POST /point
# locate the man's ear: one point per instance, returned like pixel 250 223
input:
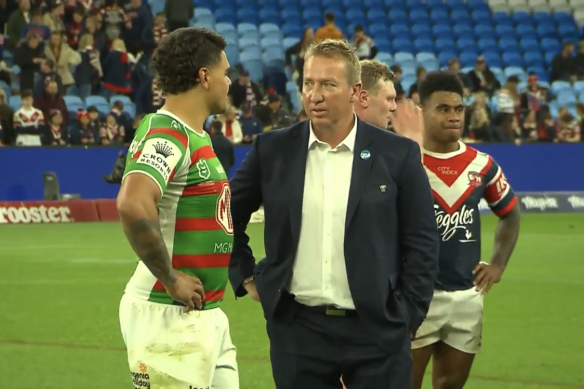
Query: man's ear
pixel 363 98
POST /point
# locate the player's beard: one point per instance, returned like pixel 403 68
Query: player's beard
pixel 219 107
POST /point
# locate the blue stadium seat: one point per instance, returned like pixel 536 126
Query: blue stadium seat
pixel 246 43
pixel 96 100
pixel 223 28
pixel 512 60
pixel 269 15
pixel 463 31
pixel 232 53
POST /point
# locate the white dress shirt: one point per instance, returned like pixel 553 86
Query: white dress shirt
pixel 319 273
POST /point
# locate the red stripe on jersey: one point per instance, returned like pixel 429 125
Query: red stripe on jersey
pixel 204 188
pixel 197 224
pixel 200 261
pixel 214 295
pixel 505 211
pixel 136 155
pixel 205 152
pixel 182 138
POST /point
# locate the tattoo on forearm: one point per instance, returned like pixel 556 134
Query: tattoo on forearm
pixel 146 239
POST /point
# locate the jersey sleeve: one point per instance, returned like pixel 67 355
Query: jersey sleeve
pixel 498 193
pixel 158 154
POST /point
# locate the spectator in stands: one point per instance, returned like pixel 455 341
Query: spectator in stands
pixel 6 117
pixel 251 126
pixel 75 29
pixel 140 21
pixel 178 13
pixel 154 33
pixel 99 38
pixel 48 73
pixel 111 133
pixel 507 108
pixel 454 66
pixel 546 129
pixel 53 18
pixel 299 47
pixel 84 130
pixel 117 70
pixel 114 20
pixel 245 90
pixel 230 125
pixel 29 57
pixel 363 44
pixel 398 73
pixel 222 146
pixel 57 134
pixel 482 78
pixel 89 72
pixel 479 127
pixel 329 30
pixel 94 119
pixel 579 61
pixel 569 129
pixel 420 75
pixel 29 122
pixel 88 5
pixel 50 100
pixel 479 104
pixel 64 58
pixel 36 26
pixel 534 97
pixel 579 112
pixel 16 22
pixel 529 128
pixel 271 113
pixel 563 67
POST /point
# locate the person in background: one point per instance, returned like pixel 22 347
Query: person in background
pixel 222 146
pixel 230 125
pixel 563 67
pixel 271 113
pixel 154 33
pixel 420 75
pixel 51 100
pixel 117 70
pixel 47 73
pixel 507 108
pixel 529 128
pixel 16 23
pixel 36 26
pixel 546 129
pixel 89 72
pixel 299 47
pixel 111 133
pixel 579 61
pixel 534 97
pixel 64 58
pixel 114 20
pixel 569 129
pixel 178 13
pixel 363 44
pixel 141 20
pixel 84 131
pixel 479 103
pixel 6 119
pixel 29 57
pixel 329 30
pixel 251 126
pixel 57 134
pixel 53 17
pixel 454 66
pixel 245 90
pixel 29 122
pixel 99 38
pixel 479 129
pixel 75 29
pixel 580 113
pixel 482 78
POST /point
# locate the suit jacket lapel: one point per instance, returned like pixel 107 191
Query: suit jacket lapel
pixel 297 154
pixel 363 156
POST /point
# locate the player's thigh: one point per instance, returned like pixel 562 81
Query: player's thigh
pixel 166 347
pixel 463 331
pixel 430 330
pixel 226 374
pixel 451 367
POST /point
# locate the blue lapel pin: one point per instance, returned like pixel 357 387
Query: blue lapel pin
pixel 365 155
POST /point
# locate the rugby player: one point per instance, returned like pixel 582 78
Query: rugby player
pixel 174 204
pixel 460 177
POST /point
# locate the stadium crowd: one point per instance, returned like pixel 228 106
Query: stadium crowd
pixel 81 69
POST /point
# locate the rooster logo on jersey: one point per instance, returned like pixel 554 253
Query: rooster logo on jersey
pixel 475 179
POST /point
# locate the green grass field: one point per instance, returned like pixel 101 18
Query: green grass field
pixel 61 286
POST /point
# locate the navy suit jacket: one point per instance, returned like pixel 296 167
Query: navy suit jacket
pixel 391 239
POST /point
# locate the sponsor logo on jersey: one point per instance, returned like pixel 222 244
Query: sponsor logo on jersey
pixel 161 155
pixel 475 179
pixel 449 224
pixel 223 210
pixel 35 214
pixel 445 170
pixel 141 379
pixel 576 202
pixel 541 203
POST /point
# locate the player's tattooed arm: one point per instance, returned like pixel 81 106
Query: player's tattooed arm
pixel 146 239
pixel 506 236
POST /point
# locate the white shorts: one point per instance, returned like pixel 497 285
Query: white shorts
pixel 454 318
pixel 170 349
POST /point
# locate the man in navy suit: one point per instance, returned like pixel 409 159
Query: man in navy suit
pixel 350 237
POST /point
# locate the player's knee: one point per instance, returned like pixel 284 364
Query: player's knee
pixel 449 382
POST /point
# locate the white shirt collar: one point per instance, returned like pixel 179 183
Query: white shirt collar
pixel 348 142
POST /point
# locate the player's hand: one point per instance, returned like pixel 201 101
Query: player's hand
pixel 485 276
pixel 187 290
pixel 252 290
pixel 408 121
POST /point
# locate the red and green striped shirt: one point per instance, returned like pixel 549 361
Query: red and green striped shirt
pixel 194 211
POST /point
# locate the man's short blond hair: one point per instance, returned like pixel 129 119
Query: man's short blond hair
pixel 371 72
pixel 338 49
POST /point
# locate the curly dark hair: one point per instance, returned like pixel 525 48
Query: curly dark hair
pixel 440 81
pixel 181 54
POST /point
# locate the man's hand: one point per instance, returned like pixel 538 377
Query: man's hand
pixel 408 121
pixel 187 290
pixel 252 290
pixel 485 276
